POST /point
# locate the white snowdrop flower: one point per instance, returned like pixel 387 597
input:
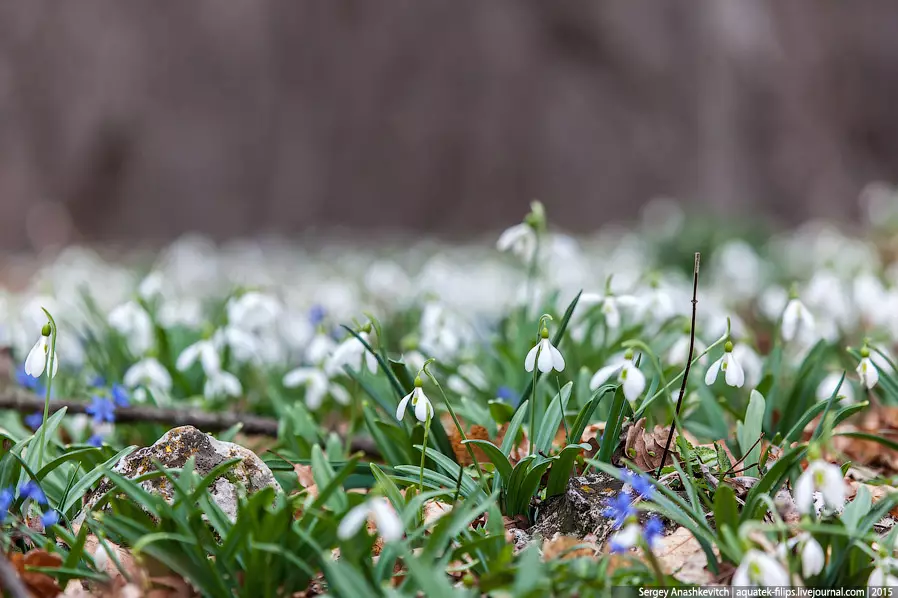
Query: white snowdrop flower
pixel 244 346
pixel 133 322
pixel 733 372
pixel 38 357
pixel 824 478
pixel 439 331
pixel 632 379
pixel 385 519
pixel 797 321
pixel 148 372
pixel 205 351
pixel 761 570
pixel 520 240
pixel 317 386
pixel 352 352
pixel 544 355
pixel 423 408
pixel 828 385
pixel 220 383
pixel 813 559
pixel 883 575
pixel 866 370
pixel 102 556
pixel 611 305
pixel 183 311
pixel 678 354
pixel 253 311
pixel 626 538
pixel 151 286
pixel 319 348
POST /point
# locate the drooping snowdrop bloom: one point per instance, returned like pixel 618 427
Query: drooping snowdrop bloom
pixel 866 370
pixel 253 311
pixel 824 478
pixel 148 373
pixel 352 352
pixel 319 348
pixel 544 355
pixel 678 353
pixel 39 355
pixel 317 385
pixel 733 373
pixel 134 324
pixel 205 351
pixel 423 408
pixel 385 519
pixel 220 383
pixel 797 321
pixel 828 385
pixel 151 286
pixel 632 379
pixel 611 305
pixel 811 554
pixel 760 569
pixel 520 240
pixel 244 346
pixel 883 576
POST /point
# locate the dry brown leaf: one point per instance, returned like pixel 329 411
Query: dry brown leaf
pixel 593 432
pixel 879 421
pixel 461 451
pixel 563 547
pixel 433 510
pixel 39 584
pixel 646 448
pixel 306 479
pixel 682 556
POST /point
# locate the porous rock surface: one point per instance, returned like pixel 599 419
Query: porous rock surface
pixel 172 450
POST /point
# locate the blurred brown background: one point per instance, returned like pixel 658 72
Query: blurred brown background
pixel 139 120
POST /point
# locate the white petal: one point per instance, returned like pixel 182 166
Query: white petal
pixel 352 521
pixel 812 558
pixel 388 523
pixel 371 360
pixel 735 376
pixel 790 319
pixel 557 359
pixel 530 360
pixel 833 489
pixel 315 396
pixel 400 410
pixel 740 577
pixel 298 377
pixel 188 357
pixel 36 360
pixel 804 492
pixel 612 315
pixel 544 359
pixel 510 236
pixel 634 383
pixel 604 374
pixel 423 408
pixel 713 370
pixel 55 365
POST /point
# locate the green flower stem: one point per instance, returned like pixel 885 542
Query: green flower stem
pixel 50 363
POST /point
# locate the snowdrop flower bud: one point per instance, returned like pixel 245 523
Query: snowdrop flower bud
pixel 423 408
pixel 733 372
pixel 520 240
pixel 385 519
pixel 760 569
pixel 824 478
pixel 866 370
pixel 883 575
pixel 544 355
pixel 632 379
pixel 797 320
pixel 37 358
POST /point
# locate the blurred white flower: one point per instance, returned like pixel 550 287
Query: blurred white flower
pixel 867 371
pixel 632 379
pixel 385 519
pixel 253 311
pixel 733 372
pixel 205 351
pixel 752 365
pixel 220 383
pixel 828 385
pixel 544 355
pixel 883 575
pixel 423 408
pixel 151 286
pixel 758 569
pixel 319 348
pixel 678 354
pixel 184 311
pixel 352 352
pixel 824 478
pixel 520 239
pixel 317 386
pixel 244 346
pixel 39 355
pixel 150 373
pixel 134 324
pixel 797 321
pixel 610 305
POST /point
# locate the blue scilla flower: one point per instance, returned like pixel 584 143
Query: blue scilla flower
pixel 97 381
pixel 640 483
pixel 34 420
pixel 619 509
pixel 24 380
pixel 31 490
pixel 652 530
pixel 95 440
pixel 6 499
pixel 120 395
pixel 102 410
pixel 317 314
pixel 506 393
pixel 50 517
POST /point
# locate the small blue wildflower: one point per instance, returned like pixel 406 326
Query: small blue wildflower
pixel 640 483
pixel 34 420
pixel 317 314
pixel 97 381
pixel 652 530
pixel 95 440
pixel 619 509
pixel 6 499
pixel 102 410
pixel 31 490
pixel 120 396
pixel 24 380
pixel 51 517
pixel 506 393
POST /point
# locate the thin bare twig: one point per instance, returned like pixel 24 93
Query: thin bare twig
pixel 10 581
pixel 673 424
